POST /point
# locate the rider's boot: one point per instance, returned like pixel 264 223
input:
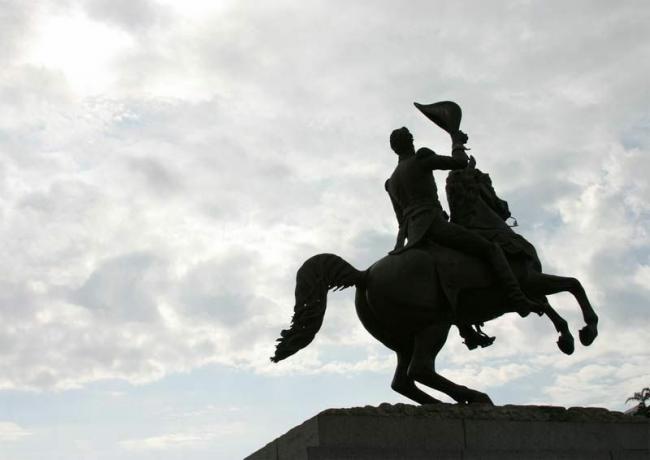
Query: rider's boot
pixel 514 295
pixel 474 337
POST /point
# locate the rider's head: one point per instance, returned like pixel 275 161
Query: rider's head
pixel 401 141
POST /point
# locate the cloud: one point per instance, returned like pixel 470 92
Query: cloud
pixel 124 287
pixel 134 16
pixel 10 431
pixel 607 383
pixel 190 439
pixel 16 25
pixel 216 288
pixel 166 168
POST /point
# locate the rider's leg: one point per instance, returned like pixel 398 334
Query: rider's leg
pixel 458 237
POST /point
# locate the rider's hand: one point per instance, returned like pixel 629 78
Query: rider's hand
pixel 459 137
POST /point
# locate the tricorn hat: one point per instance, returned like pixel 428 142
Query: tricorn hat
pixel 446 114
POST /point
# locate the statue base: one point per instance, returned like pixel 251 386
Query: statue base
pixel 448 431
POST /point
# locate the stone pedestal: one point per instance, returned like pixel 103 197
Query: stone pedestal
pixel 446 432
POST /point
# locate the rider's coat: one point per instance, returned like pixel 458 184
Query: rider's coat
pixel 413 192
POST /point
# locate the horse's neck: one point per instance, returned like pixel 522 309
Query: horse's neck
pixel 482 216
pixel 485 217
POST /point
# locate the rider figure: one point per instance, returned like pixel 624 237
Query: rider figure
pixel 414 195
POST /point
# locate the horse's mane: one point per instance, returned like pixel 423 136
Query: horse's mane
pixel 464 188
pixel 462 192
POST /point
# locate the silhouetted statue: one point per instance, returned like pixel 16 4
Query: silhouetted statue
pixel 462 272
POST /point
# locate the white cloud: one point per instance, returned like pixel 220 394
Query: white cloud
pixel 190 439
pixel 156 226
pixel 10 431
pixel 79 48
pixel 480 376
pixel 642 277
pixel 604 385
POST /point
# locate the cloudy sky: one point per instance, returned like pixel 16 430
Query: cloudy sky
pixel 165 168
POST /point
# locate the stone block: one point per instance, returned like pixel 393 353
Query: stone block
pixel 386 432
pixel 335 453
pixel 455 432
pixel 631 455
pixel 577 436
pixel 268 452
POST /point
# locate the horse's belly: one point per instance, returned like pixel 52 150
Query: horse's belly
pixel 403 290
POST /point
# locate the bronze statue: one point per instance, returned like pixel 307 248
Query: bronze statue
pixel 464 272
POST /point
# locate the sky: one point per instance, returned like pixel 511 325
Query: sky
pixel 166 167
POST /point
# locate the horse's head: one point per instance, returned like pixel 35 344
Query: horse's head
pixel 468 189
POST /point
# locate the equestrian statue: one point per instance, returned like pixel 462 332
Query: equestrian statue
pixel 461 269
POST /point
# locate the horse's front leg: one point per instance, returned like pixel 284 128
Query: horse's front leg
pixel 565 342
pixel 546 284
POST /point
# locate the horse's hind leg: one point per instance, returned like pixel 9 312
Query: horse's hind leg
pixel 427 345
pixel 552 284
pixel 405 385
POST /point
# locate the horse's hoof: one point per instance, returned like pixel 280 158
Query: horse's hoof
pixel 588 334
pixel 481 398
pixel 565 344
pixel 476 397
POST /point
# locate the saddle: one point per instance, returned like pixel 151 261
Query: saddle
pixel 457 271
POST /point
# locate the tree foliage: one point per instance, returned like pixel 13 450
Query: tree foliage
pixel 642 397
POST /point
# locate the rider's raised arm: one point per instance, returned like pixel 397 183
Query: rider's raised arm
pixel 430 160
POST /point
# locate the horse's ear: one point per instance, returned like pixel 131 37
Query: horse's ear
pixel 472 162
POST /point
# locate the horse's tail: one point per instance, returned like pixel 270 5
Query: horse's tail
pixel 314 279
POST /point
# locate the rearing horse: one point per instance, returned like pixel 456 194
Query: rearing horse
pixel 409 301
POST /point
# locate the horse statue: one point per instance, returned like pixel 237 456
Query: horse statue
pixel 409 301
